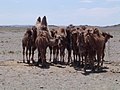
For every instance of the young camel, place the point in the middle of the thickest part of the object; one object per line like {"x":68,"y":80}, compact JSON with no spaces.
{"x":26,"y":45}
{"x":34,"y":36}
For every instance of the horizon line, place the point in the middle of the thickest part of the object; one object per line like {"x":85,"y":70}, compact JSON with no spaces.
{"x":58,"y":25}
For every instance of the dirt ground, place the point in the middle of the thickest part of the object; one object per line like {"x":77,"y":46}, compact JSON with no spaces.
{"x":15,"y":75}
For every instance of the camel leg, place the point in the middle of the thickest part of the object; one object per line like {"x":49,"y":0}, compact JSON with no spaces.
{"x":63,"y":56}
{"x":27,"y":55}
{"x":85,"y":63}
{"x":54,"y":51}
{"x":39,"y":57}
{"x":23,"y":54}
{"x":92,"y":62}
{"x":82,"y":59}
{"x":44,"y":58}
{"x":69,"y":56}
{"x":33,"y":49}
{"x":62,"y":53}
{"x":74,"y":56}
{"x":79,"y":59}
{"x":57,"y":53}
{"x":99,"y":59}
{"x":103,"y":54}
{"x":50,"y":53}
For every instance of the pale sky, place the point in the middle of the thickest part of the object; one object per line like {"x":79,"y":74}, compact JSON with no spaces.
{"x":60,"y":12}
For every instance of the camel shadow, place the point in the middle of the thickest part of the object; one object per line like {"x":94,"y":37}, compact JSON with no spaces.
{"x":39,"y":65}
{"x":79,"y":67}
{"x":45,"y":66}
{"x":101,"y":70}
{"x":60,"y":66}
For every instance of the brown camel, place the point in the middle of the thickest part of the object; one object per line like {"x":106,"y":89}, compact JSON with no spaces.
{"x":53,"y":45}
{"x":39,"y":26}
{"x":91,"y":45}
{"x":91,"y":48}
{"x":27,"y":44}
{"x":42,"y":40}
{"x":34,"y":36}
{"x":75,"y":49}
{"x":107,"y":36}
{"x":69,"y":42}
{"x":42,"y":44}
{"x":60,"y":36}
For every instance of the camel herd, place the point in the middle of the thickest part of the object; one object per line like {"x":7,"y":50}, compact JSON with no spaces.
{"x":85,"y":45}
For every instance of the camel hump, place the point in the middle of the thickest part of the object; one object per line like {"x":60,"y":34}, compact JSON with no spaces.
{"x":44,"y":21}
{"x":39,"y":19}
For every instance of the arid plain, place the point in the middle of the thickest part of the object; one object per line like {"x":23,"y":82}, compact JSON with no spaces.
{"x":15,"y":75}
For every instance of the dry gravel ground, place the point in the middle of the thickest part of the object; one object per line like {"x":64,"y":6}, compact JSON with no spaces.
{"x":19,"y":76}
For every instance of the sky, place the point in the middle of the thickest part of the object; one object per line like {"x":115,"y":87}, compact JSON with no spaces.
{"x":60,"y":12}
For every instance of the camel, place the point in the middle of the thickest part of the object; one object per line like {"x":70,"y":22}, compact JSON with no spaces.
{"x":57,"y":43}
{"x":34,"y":36}
{"x":42,"y":44}
{"x":53,"y":45}
{"x":39,"y":26}
{"x":69,"y":41}
{"x":27,"y":44}
{"x":42,"y":40}
{"x":60,"y":36}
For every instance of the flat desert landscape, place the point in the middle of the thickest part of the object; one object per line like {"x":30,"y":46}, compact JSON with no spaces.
{"x":15,"y":75}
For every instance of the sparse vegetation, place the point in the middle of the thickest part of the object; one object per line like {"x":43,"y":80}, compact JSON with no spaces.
{"x":12,"y":52}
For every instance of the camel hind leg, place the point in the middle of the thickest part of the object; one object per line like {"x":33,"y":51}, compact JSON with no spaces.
{"x":33,"y":49}
{"x":27,"y":55}
{"x":23,"y":54}
{"x":50,"y":53}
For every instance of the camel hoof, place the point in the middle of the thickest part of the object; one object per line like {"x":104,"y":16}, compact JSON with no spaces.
{"x":33,"y":61}
{"x":23,"y":61}
{"x":28,"y":62}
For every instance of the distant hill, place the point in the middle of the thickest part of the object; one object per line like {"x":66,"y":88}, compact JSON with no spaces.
{"x":112,"y":27}
{"x":19,"y":26}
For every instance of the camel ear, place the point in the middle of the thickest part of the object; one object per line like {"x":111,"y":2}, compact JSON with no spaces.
{"x":44,"y":21}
